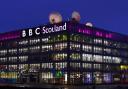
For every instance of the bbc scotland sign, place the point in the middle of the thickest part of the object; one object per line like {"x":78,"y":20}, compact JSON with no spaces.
{"x":44,"y":30}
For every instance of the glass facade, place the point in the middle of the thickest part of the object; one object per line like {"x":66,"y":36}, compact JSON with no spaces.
{"x":66,"y":57}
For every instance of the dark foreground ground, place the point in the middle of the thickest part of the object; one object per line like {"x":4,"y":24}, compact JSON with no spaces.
{"x":33,"y":86}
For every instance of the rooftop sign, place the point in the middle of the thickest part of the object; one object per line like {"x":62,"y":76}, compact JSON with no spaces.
{"x":44,"y":30}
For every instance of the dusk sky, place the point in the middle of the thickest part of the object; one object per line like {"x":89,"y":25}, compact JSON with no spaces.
{"x":107,"y":14}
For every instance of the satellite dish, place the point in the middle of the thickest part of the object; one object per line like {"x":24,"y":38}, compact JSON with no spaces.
{"x":89,"y":24}
{"x":55,"y":17}
{"x":76,"y":16}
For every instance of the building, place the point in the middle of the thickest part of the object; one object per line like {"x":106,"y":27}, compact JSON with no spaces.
{"x":64,"y":53}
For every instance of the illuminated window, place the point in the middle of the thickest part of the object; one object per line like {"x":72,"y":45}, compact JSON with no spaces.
{"x":24,"y":42}
{"x":12,"y":59}
{"x":4,"y":59}
{"x":23,"y":58}
{"x":47,"y":48}
{"x":87,"y":57}
{"x":97,"y":66}
{"x":47,"y":65}
{"x":107,"y":59}
{"x":23,"y":68}
{"x":87,"y":65}
{"x":74,"y":46}
{"x":34,"y":41}
{"x":75,"y":56}
{"x":60,"y":46}
{"x":107,"y":51}
{"x":98,"y":41}
{"x":62,"y":56}
{"x":97,"y":58}
{"x":87,"y":48}
{"x":75,"y":65}
{"x":34,"y":49}
{"x":23,"y":50}
{"x":34,"y":67}
{"x":116,"y":59}
{"x":97,"y":49}
{"x":3,"y":52}
{"x":12,"y":51}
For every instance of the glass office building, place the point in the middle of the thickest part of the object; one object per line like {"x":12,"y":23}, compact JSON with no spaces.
{"x":64,"y":53}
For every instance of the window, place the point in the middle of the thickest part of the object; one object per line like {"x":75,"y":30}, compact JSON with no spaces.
{"x":87,"y":77}
{"x":107,"y":51}
{"x":23,"y":42}
{"x":62,"y":65}
{"x":47,"y":65}
{"x":116,"y":59}
{"x":87,"y":57}
{"x":87,"y":48}
{"x":4,"y":59}
{"x":97,"y":66}
{"x":23,"y":68}
{"x":61,"y":56}
{"x":60,"y":46}
{"x":12,"y":59}
{"x":23,"y":50}
{"x":34,"y":67}
{"x":12,"y":67}
{"x":75,"y":65}
{"x":3,"y":52}
{"x":34,"y":49}
{"x":75,"y":46}
{"x":87,"y":65}
{"x":97,"y":58}
{"x":75,"y":37}
{"x":12,"y":51}
{"x":47,"y":48}
{"x":34,"y":41}
{"x":75,"y":56}
{"x":23,"y":58}
{"x":97,"y":49}
{"x":98,"y":41}
{"x":60,"y":38}
{"x":107,"y":59}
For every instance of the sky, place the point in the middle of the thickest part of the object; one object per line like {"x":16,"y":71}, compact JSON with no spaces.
{"x":107,"y":14}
